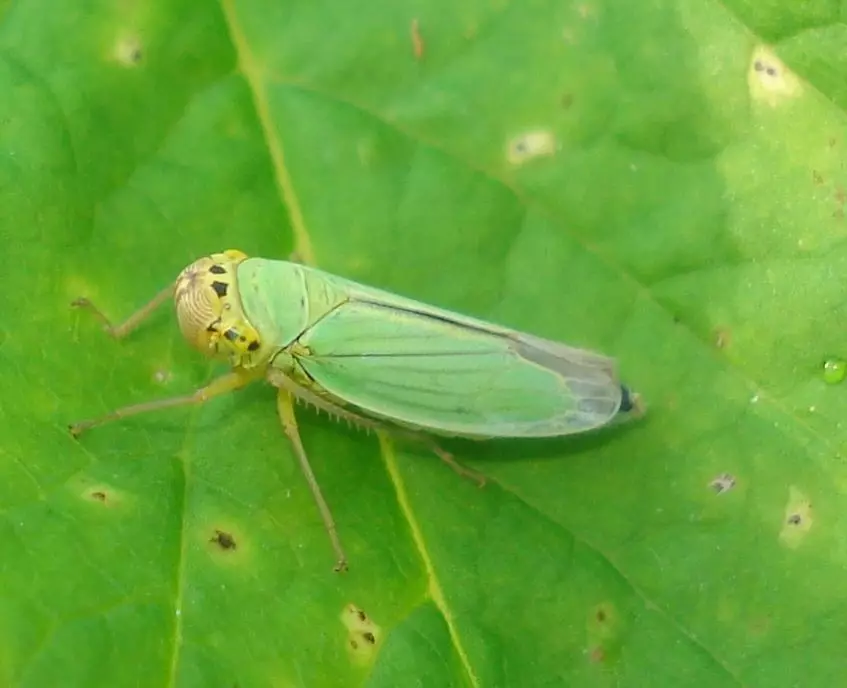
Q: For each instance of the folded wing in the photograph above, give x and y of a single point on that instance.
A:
(456, 377)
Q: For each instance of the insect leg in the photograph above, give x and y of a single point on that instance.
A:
(121, 330)
(225, 383)
(285, 406)
(279, 379)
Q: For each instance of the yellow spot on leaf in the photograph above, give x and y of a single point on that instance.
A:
(99, 494)
(129, 52)
(769, 79)
(363, 635)
(603, 632)
(529, 145)
(226, 544)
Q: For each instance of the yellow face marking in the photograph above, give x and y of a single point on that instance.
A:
(209, 310)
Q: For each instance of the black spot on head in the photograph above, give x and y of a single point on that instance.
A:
(99, 496)
(217, 269)
(354, 644)
(367, 635)
(794, 519)
(252, 346)
(362, 616)
(220, 288)
(601, 615)
(231, 335)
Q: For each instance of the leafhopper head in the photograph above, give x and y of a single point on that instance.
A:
(209, 310)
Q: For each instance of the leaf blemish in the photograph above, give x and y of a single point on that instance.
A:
(530, 145)
(797, 520)
(224, 540)
(721, 338)
(759, 66)
(129, 52)
(723, 483)
(418, 45)
(603, 630)
(355, 618)
(101, 494)
(362, 633)
(769, 79)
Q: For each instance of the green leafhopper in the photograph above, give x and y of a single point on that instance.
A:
(377, 359)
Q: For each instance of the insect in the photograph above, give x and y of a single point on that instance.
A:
(376, 359)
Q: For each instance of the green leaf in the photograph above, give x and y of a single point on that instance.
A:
(660, 181)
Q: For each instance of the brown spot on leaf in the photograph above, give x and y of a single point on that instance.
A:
(798, 519)
(223, 540)
(597, 655)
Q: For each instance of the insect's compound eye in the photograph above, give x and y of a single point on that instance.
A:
(198, 302)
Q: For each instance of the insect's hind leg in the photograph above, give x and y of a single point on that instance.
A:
(279, 379)
(449, 459)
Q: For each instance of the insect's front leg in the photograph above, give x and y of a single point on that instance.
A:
(121, 330)
(226, 383)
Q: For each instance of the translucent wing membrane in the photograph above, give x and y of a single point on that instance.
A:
(457, 376)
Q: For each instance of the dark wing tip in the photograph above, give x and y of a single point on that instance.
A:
(631, 402)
